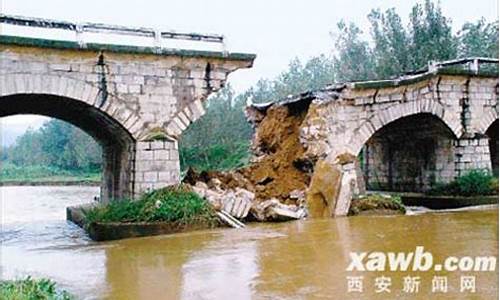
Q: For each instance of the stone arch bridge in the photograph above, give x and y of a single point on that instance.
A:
(408, 133)
(135, 101)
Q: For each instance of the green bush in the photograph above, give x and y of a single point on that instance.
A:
(215, 157)
(32, 289)
(173, 204)
(474, 183)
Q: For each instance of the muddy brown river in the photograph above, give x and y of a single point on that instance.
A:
(296, 260)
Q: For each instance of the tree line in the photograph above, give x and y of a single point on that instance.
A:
(221, 138)
(56, 144)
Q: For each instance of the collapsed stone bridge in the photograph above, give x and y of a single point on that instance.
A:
(403, 134)
(135, 101)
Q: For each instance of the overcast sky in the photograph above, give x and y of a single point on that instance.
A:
(277, 31)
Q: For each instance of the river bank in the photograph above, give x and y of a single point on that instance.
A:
(29, 288)
(12, 175)
(55, 182)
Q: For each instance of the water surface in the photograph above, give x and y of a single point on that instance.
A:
(295, 260)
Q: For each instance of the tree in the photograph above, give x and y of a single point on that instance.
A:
(316, 73)
(391, 53)
(220, 138)
(56, 144)
(354, 59)
(397, 50)
(478, 39)
(431, 37)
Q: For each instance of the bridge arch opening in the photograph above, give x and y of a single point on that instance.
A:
(492, 133)
(116, 142)
(409, 154)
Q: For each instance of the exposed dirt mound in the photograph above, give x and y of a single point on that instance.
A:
(279, 167)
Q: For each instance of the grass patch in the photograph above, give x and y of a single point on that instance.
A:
(173, 204)
(376, 202)
(39, 173)
(32, 289)
(474, 183)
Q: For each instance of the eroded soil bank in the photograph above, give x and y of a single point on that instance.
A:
(278, 167)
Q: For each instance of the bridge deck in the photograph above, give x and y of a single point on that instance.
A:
(58, 44)
(156, 37)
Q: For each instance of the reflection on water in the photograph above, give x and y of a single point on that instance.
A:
(296, 260)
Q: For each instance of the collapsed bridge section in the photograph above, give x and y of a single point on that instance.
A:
(403, 134)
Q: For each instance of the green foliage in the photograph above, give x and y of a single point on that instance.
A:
(354, 60)
(173, 204)
(220, 139)
(56, 144)
(397, 50)
(391, 53)
(314, 74)
(478, 39)
(216, 157)
(474, 183)
(33, 173)
(430, 35)
(32, 289)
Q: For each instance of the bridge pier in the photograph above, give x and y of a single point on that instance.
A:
(472, 154)
(117, 162)
(134, 101)
(156, 165)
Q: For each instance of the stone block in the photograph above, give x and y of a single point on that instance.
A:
(134, 88)
(157, 145)
(151, 176)
(144, 155)
(161, 154)
(60, 67)
(164, 176)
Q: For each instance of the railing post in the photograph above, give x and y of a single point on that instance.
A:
(158, 40)
(224, 46)
(475, 66)
(431, 66)
(79, 35)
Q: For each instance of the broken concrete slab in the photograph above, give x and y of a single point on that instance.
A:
(274, 210)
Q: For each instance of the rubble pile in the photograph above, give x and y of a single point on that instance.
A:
(284, 181)
(273, 187)
(241, 203)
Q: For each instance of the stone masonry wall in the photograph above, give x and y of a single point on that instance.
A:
(342, 120)
(137, 98)
(409, 154)
(157, 165)
(472, 153)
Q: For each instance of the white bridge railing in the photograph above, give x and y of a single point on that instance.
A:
(471, 63)
(157, 36)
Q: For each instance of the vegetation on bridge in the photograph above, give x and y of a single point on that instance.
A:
(474, 183)
(220, 140)
(30, 288)
(177, 205)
